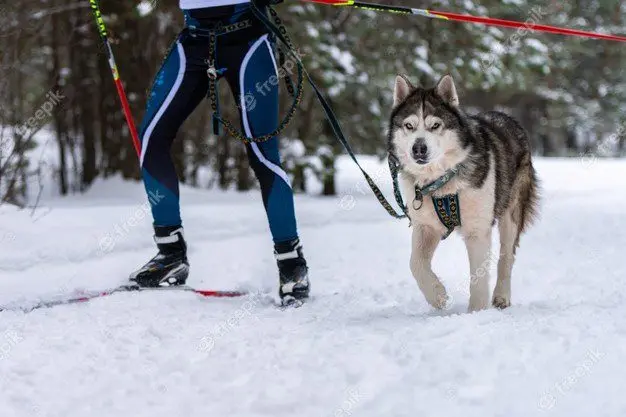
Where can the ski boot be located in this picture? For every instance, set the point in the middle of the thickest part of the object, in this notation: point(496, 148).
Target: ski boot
point(170, 266)
point(293, 273)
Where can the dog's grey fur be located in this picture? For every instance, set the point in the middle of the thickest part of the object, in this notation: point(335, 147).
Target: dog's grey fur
point(429, 134)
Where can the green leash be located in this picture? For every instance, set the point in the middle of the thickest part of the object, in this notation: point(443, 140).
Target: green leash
point(281, 35)
point(447, 207)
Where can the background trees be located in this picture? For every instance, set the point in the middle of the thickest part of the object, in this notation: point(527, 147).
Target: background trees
point(568, 92)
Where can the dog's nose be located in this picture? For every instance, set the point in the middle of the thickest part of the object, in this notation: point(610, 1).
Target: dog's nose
point(420, 150)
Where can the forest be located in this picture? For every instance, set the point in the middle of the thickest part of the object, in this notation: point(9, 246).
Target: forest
point(56, 90)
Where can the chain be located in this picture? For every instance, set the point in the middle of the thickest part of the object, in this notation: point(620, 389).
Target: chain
point(213, 94)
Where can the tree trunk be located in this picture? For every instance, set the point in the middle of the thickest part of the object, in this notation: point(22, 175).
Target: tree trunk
point(299, 177)
point(328, 175)
point(87, 118)
point(222, 162)
point(244, 182)
point(59, 119)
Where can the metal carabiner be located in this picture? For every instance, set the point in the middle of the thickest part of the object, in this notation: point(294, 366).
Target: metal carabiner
point(419, 198)
point(211, 70)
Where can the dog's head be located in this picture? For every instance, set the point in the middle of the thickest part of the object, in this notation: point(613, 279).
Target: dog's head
point(427, 130)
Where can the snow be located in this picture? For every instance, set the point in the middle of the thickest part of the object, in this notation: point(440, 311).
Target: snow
point(145, 7)
point(366, 345)
point(537, 45)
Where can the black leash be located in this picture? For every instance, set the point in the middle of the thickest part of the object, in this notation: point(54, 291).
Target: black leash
point(447, 207)
point(280, 32)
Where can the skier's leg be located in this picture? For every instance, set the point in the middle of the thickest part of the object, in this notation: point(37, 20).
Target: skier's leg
point(178, 88)
point(255, 86)
point(258, 101)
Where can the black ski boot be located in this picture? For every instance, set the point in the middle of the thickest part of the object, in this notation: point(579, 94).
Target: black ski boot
point(170, 266)
point(294, 277)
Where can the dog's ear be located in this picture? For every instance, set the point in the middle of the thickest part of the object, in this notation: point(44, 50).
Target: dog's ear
point(402, 90)
point(447, 91)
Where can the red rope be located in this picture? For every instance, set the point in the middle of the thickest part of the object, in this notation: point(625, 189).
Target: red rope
point(541, 28)
point(478, 19)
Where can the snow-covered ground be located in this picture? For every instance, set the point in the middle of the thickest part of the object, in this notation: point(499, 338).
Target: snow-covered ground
point(366, 345)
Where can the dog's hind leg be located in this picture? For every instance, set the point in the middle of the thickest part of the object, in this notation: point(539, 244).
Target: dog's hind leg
point(479, 251)
point(425, 241)
point(509, 232)
point(520, 214)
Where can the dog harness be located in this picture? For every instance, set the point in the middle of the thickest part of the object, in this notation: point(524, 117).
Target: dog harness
point(447, 207)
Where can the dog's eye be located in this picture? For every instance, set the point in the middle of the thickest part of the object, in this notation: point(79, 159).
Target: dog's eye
point(409, 126)
point(435, 126)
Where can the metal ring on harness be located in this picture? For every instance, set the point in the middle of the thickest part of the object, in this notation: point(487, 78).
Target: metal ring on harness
point(211, 71)
point(419, 198)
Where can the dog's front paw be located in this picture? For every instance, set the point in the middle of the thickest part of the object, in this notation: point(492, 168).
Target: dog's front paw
point(437, 296)
point(478, 304)
point(501, 302)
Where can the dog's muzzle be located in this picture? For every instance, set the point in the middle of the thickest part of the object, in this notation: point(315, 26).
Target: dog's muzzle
point(420, 151)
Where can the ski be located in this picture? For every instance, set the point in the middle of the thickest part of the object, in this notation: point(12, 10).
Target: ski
point(88, 296)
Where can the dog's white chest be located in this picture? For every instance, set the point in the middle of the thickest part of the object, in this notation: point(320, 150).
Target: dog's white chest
point(476, 207)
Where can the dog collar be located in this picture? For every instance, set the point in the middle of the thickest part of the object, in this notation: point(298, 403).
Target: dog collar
point(448, 208)
point(432, 187)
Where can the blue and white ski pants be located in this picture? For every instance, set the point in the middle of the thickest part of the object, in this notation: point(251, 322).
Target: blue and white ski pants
point(246, 60)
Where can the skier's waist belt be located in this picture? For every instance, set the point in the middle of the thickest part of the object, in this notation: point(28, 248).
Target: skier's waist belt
point(218, 28)
point(222, 20)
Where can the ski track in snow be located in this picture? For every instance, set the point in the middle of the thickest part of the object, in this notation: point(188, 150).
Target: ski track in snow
point(366, 345)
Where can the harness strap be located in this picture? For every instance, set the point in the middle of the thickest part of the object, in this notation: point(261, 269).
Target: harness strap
point(432, 187)
point(449, 212)
point(281, 34)
point(448, 208)
point(220, 28)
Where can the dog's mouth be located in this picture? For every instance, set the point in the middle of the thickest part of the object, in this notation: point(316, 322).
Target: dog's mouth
point(421, 160)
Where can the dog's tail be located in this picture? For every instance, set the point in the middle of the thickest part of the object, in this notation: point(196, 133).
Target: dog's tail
point(527, 208)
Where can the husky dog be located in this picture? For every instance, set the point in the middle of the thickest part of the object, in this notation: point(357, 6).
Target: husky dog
point(484, 161)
